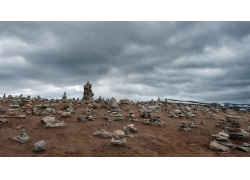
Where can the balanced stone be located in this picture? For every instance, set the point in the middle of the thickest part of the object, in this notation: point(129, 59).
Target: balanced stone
point(114, 107)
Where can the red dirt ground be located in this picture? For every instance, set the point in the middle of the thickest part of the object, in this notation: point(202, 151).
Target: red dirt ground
point(76, 138)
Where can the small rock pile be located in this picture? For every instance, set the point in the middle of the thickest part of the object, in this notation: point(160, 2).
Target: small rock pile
point(118, 138)
point(184, 126)
point(129, 128)
point(154, 121)
point(114, 107)
point(89, 113)
point(233, 126)
point(221, 142)
point(113, 116)
point(132, 116)
point(52, 122)
point(124, 101)
point(22, 137)
point(229, 121)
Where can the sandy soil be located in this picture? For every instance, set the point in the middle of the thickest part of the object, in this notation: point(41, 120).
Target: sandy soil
point(76, 138)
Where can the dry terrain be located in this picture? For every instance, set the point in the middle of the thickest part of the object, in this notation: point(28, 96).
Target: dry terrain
point(76, 138)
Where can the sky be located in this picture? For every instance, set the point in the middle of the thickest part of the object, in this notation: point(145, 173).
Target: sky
point(199, 61)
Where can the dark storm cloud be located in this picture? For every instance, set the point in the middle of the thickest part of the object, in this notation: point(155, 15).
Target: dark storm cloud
point(206, 61)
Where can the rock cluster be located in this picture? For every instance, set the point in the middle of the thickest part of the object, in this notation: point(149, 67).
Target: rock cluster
point(124, 101)
point(181, 111)
point(229, 121)
point(154, 121)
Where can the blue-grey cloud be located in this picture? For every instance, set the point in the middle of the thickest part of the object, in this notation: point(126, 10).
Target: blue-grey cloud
point(201, 61)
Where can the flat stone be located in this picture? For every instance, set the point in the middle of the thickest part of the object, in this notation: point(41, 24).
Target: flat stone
point(120, 141)
point(48, 119)
point(214, 145)
point(103, 133)
point(16, 138)
point(50, 125)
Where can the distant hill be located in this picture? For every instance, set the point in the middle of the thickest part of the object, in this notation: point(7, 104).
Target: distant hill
point(221, 105)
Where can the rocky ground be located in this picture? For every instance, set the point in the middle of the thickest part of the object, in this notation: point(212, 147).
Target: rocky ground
point(76, 138)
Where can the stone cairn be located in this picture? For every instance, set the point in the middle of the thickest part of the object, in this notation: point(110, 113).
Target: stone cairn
point(88, 93)
point(221, 142)
point(89, 113)
point(112, 114)
point(64, 97)
point(22, 137)
point(114, 107)
point(132, 116)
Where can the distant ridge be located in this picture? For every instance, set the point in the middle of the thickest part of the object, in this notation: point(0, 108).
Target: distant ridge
point(221, 105)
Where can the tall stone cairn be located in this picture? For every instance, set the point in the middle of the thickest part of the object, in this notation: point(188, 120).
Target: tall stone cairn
point(87, 92)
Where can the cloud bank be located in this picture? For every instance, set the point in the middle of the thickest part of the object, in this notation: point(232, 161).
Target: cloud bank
point(200, 61)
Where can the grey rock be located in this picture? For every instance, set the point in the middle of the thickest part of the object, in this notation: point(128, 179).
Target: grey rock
point(214, 145)
point(54, 125)
point(103, 133)
point(80, 118)
point(120, 141)
point(59, 112)
point(48, 109)
point(39, 146)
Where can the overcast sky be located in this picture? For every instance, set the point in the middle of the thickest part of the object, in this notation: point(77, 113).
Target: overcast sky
point(199, 61)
